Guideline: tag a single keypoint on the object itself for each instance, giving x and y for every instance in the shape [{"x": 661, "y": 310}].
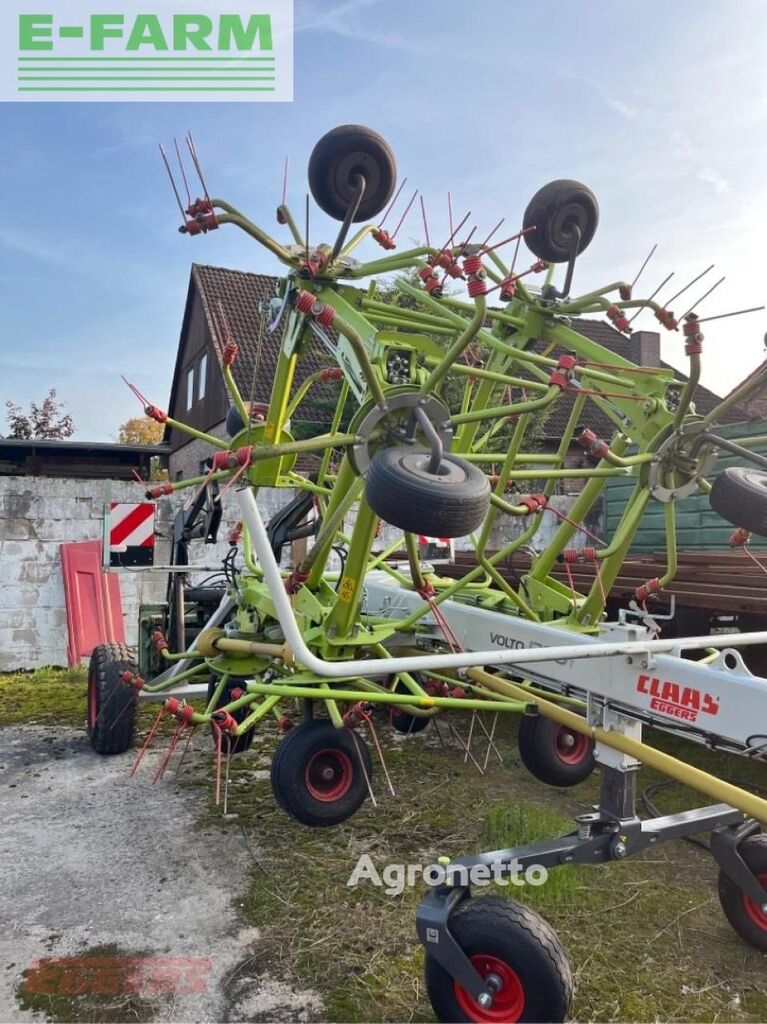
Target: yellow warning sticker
[{"x": 346, "y": 590}]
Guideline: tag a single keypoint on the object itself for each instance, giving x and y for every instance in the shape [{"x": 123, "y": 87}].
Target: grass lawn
[{"x": 646, "y": 936}]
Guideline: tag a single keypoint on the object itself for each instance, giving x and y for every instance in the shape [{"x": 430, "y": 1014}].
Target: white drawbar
[{"x": 464, "y": 659}]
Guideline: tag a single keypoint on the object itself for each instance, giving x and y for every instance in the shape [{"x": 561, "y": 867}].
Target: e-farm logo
[{"x": 156, "y": 50}]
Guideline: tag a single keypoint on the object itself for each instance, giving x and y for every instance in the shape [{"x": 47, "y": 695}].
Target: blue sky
[{"x": 661, "y": 108}]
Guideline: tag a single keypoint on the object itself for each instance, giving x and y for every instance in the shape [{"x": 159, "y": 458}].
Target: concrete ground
[{"x": 116, "y": 873}]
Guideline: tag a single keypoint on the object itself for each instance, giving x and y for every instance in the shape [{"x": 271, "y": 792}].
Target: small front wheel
[
  {"x": 555, "y": 211},
  {"x": 403, "y": 491},
  {"x": 336, "y": 161},
  {"x": 553, "y": 753},
  {"x": 320, "y": 773},
  {"x": 748, "y": 918},
  {"x": 112, "y": 704},
  {"x": 519, "y": 955}
]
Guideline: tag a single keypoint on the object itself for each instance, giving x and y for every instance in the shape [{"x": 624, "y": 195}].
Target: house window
[
  {"x": 202, "y": 374},
  {"x": 190, "y": 387}
]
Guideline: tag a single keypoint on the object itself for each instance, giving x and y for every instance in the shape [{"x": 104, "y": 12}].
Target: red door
[{"x": 94, "y": 608}]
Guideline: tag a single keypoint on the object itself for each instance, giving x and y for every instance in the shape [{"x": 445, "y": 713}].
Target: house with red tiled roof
[{"x": 223, "y": 302}]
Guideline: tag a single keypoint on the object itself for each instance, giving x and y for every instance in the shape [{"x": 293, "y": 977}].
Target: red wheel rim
[
  {"x": 571, "y": 747},
  {"x": 754, "y": 911},
  {"x": 329, "y": 775},
  {"x": 508, "y": 1001}
]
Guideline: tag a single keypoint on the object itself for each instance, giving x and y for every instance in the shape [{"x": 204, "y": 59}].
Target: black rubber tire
[
  {"x": 338, "y": 157},
  {"x": 491, "y": 926},
  {"x": 543, "y": 748},
  {"x": 231, "y": 744},
  {"x": 112, "y": 705},
  {"x": 748, "y": 921},
  {"x": 401, "y": 721},
  {"x": 402, "y": 491},
  {"x": 305, "y": 749},
  {"x": 739, "y": 495},
  {"x": 552, "y": 211}
]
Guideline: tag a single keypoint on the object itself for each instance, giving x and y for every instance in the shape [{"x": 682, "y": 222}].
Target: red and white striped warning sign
[{"x": 131, "y": 532}]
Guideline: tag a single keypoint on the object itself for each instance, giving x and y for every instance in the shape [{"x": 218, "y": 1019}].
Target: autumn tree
[
  {"x": 46, "y": 421},
  {"x": 140, "y": 430},
  {"x": 145, "y": 431}
]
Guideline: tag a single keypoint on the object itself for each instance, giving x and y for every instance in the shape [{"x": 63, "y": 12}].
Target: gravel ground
[{"x": 96, "y": 864}]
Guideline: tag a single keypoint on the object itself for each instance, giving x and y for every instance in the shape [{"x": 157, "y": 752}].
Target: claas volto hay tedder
[{"x": 333, "y": 645}]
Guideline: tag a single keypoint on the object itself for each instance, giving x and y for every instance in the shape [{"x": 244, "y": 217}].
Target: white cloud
[
  {"x": 630, "y": 113},
  {"x": 712, "y": 177}
]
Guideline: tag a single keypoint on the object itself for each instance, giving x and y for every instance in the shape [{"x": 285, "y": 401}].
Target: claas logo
[{"x": 676, "y": 700}]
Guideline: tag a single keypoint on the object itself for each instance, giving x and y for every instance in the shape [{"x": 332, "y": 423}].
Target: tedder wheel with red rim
[
  {"x": 112, "y": 704},
  {"x": 519, "y": 955},
  {"x": 747, "y": 918},
  {"x": 553, "y": 753},
  {"x": 320, "y": 773}
]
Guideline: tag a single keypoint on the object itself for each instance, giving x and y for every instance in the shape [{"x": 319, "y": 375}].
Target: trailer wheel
[
  {"x": 338, "y": 158},
  {"x": 522, "y": 951},
  {"x": 553, "y": 211},
  {"x": 319, "y": 773},
  {"x": 553, "y": 753},
  {"x": 231, "y": 744},
  {"x": 449, "y": 503},
  {"x": 739, "y": 495},
  {"x": 112, "y": 704},
  {"x": 747, "y": 918},
  {"x": 402, "y": 721}
]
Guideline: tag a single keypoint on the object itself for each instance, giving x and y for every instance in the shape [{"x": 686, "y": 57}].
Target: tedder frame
[{"x": 445, "y": 391}]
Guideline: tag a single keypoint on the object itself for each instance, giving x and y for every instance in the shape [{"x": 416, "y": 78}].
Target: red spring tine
[
  {"x": 517, "y": 235},
  {"x": 646, "y": 301},
  {"x": 667, "y": 305},
  {"x": 195, "y": 160},
  {"x": 148, "y": 740},
  {"x": 172, "y": 746},
  {"x": 484, "y": 244},
  {"x": 737, "y": 312},
  {"x": 402, "y": 218},
  {"x": 173, "y": 183},
  {"x": 183, "y": 172},
  {"x": 185, "y": 751},
  {"x": 647, "y": 260},
  {"x": 704, "y": 296},
  {"x": 455, "y": 232},
  {"x": 390, "y": 207},
  {"x": 425, "y": 224},
  {"x": 142, "y": 398}
]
